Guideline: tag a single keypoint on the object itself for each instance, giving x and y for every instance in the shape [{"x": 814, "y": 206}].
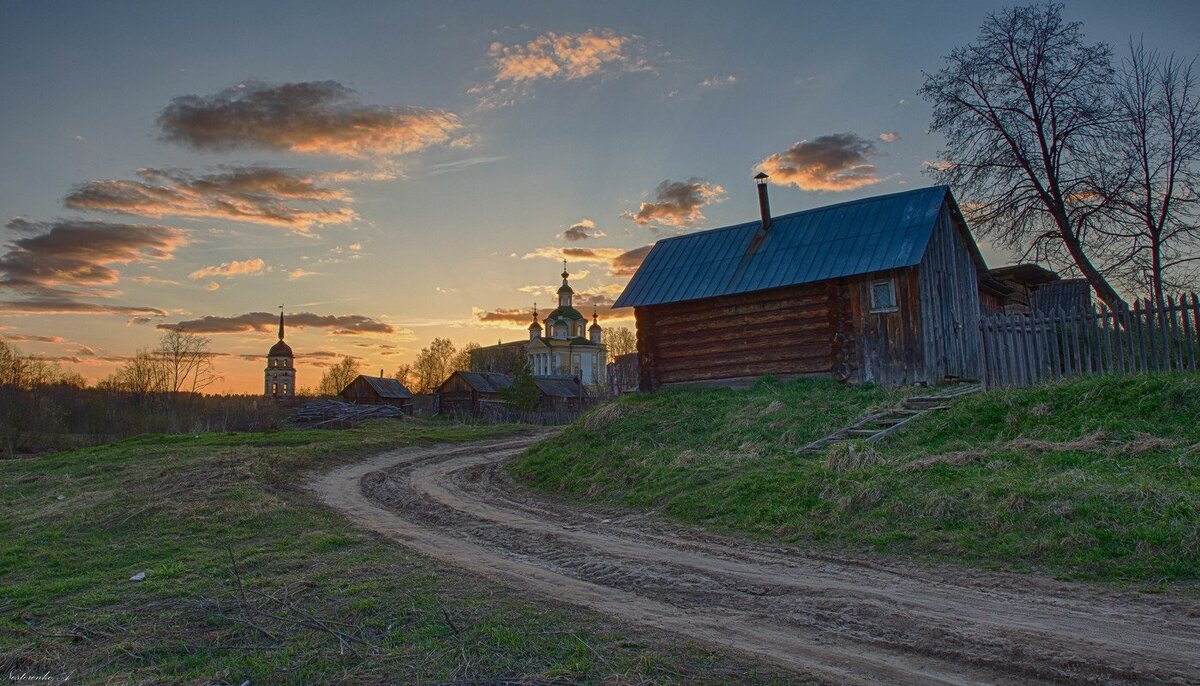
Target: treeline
[{"x": 44, "y": 407}]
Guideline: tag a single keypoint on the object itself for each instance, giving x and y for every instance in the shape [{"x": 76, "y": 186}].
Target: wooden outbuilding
[
  {"x": 884, "y": 289},
  {"x": 376, "y": 390},
  {"x": 464, "y": 393},
  {"x": 560, "y": 392}
]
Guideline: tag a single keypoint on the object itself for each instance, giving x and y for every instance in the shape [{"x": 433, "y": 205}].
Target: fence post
[{"x": 1187, "y": 333}]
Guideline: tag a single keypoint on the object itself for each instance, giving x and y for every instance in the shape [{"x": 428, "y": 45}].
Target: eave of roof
[{"x": 857, "y": 237}]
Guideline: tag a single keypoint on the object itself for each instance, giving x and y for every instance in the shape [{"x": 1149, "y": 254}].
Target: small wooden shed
[
  {"x": 560, "y": 392},
  {"x": 884, "y": 289},
  {"x": 376, "y": 390},
  {"x": 463, "y": 393}
]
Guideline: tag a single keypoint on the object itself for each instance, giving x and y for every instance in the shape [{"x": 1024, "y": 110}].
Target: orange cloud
[
  {"x": 255, "y": 195},
  {"x": 837, "y": 162},
  {"x": 315, "y": 117},
  {"x": 570, "y": 56},
  {"x": 677, "y": 204},
  {"x": 251, "y": 267}
]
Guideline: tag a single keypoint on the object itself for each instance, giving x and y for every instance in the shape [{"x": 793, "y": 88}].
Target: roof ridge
[{"x": 822, "y": 208}]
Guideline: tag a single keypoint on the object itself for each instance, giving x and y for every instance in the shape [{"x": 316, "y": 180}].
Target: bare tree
[
  {"x": 338, "y": 377},
  {"x": 1020, "y": 108},
  {"x": 187, "y": 362},
  {"x": 143, "y": 374},
  {"x": 1149, "y": 171},
  {"x": 620, "y": 340}
]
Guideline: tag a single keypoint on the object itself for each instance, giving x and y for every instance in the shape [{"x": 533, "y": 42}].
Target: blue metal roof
[{"x": 857, "y": 237}]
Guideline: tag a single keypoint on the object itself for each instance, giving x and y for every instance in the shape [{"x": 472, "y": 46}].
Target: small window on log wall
[{"x": 883, "y": 296}]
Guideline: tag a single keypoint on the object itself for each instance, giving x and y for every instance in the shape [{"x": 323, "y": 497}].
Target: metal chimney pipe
[{"x": 764, "y": 204}]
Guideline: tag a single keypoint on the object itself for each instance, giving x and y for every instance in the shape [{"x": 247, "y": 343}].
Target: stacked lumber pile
[{"x": 336, "y": 412}]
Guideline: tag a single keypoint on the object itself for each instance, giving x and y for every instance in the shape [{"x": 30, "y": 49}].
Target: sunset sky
[{"x": 395, "y": 172}]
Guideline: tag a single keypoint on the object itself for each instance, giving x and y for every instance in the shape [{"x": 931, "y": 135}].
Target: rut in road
[{"x": 844, "y": 619}]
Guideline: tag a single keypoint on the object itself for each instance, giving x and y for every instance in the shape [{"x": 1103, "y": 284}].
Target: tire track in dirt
[{"x": 846, "y": 620}]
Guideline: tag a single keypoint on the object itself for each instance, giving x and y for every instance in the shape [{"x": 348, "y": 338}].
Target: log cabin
[
  {"x": 880, "y": 290},
  {"x": 376, "y": 390}
]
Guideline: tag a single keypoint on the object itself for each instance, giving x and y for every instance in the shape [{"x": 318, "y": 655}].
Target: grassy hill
[
  {"x": 248, "y": 578},
  {"x": 1095, "y": 479}
]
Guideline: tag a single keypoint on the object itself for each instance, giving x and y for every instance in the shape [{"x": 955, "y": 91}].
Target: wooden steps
[{"x": 879, "y": 425}]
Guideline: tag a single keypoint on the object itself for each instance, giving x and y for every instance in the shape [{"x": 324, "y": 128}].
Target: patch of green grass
[
  {"x": 1094, "y": 479},
  {"x": 248, "y": 578}
]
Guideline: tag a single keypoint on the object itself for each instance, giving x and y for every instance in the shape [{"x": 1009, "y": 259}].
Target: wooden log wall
[{"x": 783, "y": 332}]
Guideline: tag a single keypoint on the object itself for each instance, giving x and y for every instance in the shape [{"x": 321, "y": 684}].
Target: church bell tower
[{"x": 280, "y": 375}]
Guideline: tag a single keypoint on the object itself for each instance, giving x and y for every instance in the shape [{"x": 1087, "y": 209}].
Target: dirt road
[{"x": 842, "y": 619}]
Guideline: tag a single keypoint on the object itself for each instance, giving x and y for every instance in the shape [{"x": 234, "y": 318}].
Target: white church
[{"x": 566, "y": 346}]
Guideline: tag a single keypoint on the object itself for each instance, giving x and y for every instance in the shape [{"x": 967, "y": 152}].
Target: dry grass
[
  {"x": 1092, "y": 442},
  {"x": 774, "y": 407},
  {"x": 851, "y": 456},
  {"x": 1098, "y": 441},
  {"x": 603, "y": 416},
  {"x": 954, "y": 459}
]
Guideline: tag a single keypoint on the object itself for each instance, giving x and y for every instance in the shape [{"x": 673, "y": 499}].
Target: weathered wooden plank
[
  {"x": 783, "y": 345},
  {"x": 1174, "y": 348},
  {"x": 738, "y": 370},
  {"x": 782, "y": 362},
  {"x": 1190, "y": 343},
  {"x": 690, "y": 336},
  {"x": 1195, "y": 311},
  {"x": 682, "y": 314},
  {"x": 985, "y": 341},
  {"x": 1088, "y": 335},
  {"x": 1109, "y": 365}
]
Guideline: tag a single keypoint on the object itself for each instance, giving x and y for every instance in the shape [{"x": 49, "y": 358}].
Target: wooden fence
[{"x": 1019, "y": 349}]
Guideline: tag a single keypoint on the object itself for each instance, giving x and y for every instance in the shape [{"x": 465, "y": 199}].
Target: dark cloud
[
  {"x": 837, "y": 162},
  {"x": 266, "y": 321},
  {"x": 582, "y": 230},
  {"x": 73, "y": 253},
  {"x": 319, "y": 117},
  {"x": 628, "y": 262},
  {"x": 620, "y": 262},
  {"x": 66, "y": 305},
  {"x": 257, "y": 195},
  {"x": 70, "y": 260},
  {"x": 677, "y": 204}
]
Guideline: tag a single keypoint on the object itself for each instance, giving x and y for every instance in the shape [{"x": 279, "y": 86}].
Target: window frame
[{"x": 876, "y": 308}]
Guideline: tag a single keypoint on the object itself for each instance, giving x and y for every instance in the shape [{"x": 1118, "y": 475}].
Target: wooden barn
[
  {"x": 884, "y": 289},
  {"x": 560, "y": 392},
  {"x": 464, "y": 393},
  {"x": 376, "y": 390}
]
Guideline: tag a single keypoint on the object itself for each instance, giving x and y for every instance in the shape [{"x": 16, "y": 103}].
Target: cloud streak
[
  {"x": 268, "y": 196},
  {"x": 314, "y": 117},
  {"x": 250, "y": 267},
  {"x": 620, "y": 262},
  {"x": 836, "y": 162},
  {"x": 349, "y": 324},
  {"x": 677, "y": 204}
]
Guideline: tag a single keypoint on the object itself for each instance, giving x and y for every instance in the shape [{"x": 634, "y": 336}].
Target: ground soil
[{"x": 843, "y": 619}]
